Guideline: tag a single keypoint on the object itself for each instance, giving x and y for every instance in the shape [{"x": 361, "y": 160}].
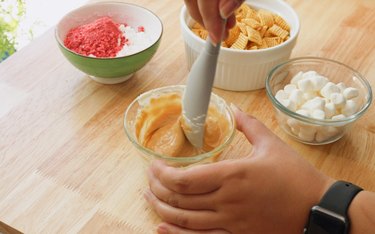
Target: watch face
[{"x": 323, "y": 223}]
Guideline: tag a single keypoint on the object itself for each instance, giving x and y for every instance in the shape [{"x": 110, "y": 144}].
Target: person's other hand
[
  {"x": 270, "y": 192},
  {"x": 210, "y": 14}
]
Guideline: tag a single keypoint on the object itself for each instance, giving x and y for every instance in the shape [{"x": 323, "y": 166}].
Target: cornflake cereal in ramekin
[{"x": 254, "y": 29}]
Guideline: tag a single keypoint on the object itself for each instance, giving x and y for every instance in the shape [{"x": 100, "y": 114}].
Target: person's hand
[
  {"x": 270, "y": 192},
  {"x": 210, "y": 14}
]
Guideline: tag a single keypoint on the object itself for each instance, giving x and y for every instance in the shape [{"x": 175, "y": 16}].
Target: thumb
[{"x": 255, "y": 131}]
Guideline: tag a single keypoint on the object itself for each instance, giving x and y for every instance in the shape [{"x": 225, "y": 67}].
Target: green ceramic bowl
[{"x": 111, "y": 70}]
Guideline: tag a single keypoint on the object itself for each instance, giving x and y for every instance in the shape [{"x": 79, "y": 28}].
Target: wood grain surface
[{"x": 66, "y": 165}]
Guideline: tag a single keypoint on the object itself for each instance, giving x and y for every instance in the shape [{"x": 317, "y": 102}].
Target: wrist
[
  {"x": 354, "y": 210},
  {"x": 361, "y": 213},
  {"x": 328, "y": 182},
  {"x": 317, "y": 191},
  {"x": 331, "y": 214}
]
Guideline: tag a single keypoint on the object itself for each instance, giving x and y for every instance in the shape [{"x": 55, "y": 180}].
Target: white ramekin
[{"x": 244, "y": 70}]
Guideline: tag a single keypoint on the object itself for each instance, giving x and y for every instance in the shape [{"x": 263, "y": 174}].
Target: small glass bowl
[
  {"x": 326, "y": 130},
  {"x": 136, "y": 106}
]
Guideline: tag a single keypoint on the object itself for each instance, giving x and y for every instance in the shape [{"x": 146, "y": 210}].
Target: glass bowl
[
  {"x": 135, "y": 108},
  {"x": 310, "y": 130}
]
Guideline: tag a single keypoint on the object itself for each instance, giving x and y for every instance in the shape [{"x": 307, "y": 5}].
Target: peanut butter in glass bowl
[{"x": 152, "y": 123}]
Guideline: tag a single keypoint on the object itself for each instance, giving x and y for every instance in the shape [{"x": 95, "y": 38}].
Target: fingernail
[
  {"x": 162, "y": 230},
  {"x": 228, "y": 7}
]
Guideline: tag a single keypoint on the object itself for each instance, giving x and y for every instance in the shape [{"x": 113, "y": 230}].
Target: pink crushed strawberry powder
[{"x": 101, "y": 38}]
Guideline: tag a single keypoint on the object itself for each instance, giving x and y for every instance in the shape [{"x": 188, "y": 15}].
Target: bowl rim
[
  {"x": 325, "y": 122},
  {"x": 292, "y": 39},
  {"x": 61, "y": 43},
  {"x": 185, "y": 159}
]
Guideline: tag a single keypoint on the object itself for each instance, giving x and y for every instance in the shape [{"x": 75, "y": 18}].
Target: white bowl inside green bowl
[{"x": 116, "y": 69}]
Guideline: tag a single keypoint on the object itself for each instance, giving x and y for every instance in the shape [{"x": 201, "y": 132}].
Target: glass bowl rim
[
  {"x": 186, "y": 159},
  {"x": 325, "y": 122}
]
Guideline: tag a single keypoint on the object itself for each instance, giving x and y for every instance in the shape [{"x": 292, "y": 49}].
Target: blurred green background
[
  {"x": 10, "y": 17},
  {"x": 21, "y": 21}
]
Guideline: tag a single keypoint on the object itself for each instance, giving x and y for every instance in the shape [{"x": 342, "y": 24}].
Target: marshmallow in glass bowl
[{"x": 316, "y": 99}]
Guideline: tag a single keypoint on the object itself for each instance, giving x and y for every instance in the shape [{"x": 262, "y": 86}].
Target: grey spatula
[{"x": 197, "y": 94}]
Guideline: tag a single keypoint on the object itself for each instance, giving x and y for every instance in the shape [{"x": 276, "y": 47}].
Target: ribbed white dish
[{"x": 244, "y": 70}]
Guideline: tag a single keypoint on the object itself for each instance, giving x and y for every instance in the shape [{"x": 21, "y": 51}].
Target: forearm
[{"x": 362, "y": 213}]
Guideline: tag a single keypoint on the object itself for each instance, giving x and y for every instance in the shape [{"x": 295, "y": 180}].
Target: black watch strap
[{"x": 339, "y": 196}]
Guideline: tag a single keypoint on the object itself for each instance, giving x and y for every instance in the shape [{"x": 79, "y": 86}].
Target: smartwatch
[{"x": 330, "y": 216}]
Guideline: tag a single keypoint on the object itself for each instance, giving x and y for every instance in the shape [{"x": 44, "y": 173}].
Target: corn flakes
[{"x": 254, "y": 29}]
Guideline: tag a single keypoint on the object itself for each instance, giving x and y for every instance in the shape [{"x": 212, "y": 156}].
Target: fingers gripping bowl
[
  {"x": 317, "y": 100},
  {"x": 243, "y": 70},
  {"x": 116, "y": 69},
  {"x": 147, "y": 125}
]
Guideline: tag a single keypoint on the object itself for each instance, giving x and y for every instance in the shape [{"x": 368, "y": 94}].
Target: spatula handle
[{"x": 198, "y": 91}]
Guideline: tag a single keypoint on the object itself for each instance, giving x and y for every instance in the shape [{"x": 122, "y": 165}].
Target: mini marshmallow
[
  {"x": 295, "y": 131},
  {"x": 293, "y": 123},
  {"x": 328, "y": 89},
  {"x": 338, "y": 100},
  {"x": 318, "y": 82},
  {"x": 296, "y": 96},
  {"x": 350, "y": 93},
  {"x": 316, "y": 103},
  {"x": 309, "y": 95},
  {"x": 306, "y": 85},
  {"x": 324, "y": 134},
  {"x": 289, "y": 88},
  {"x": 338, "y": 117},
  {"x": 318, "y": 114},
  {"x": 296, "y": 78},
  {"x": 358, "y": 100},
  {"x": 303, "y": 112},
  {"x": 341, "y": 86},
  {"x": 329, "y": 110},
  {"x": 289, "y": 104},
  {"x": 309, "y": 74},
  {"x": 281, "y": 95},
  {"x": 350, "y": 108},
  {"x": 306, "y": 136},
  {"x": 285, "y": 126},
  {"x": 307, "y": 133}
]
